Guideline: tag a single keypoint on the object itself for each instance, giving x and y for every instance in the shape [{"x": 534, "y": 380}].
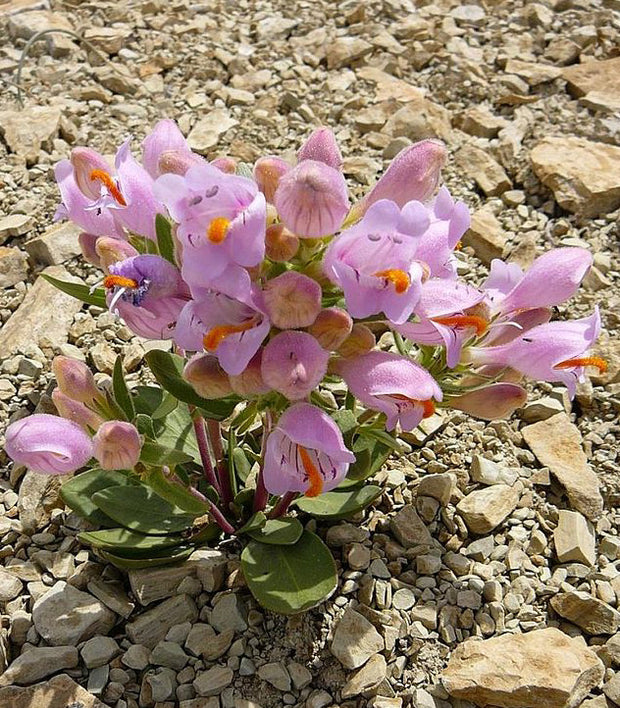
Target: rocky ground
[{"x": 505, "y": 533}]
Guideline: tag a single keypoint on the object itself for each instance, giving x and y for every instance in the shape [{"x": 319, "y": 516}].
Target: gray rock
[
  {"x": 213, "y": 681},
  {"x": 199, "y": 638},
  {"x": 170, "y": 655},
  {"x": 488, "y": 472},
  {"x": 276, "y": 674},
  {"x": 152, "y": 626},
  {"x": 37, "y": 663},
  {"x": 136, "y": 657},
  {"x": 355, "y": 640},
  {"x": 14, "y": 225},
  {"x": 299, "y": 674},
  {"x": 230, "y": 613},
  {"x": 10, "y": 586},
  {"x": 13, "y": 266},
  {"x": 99, "y": 651},
  {"x": 57, "y": 245},
  {"x": 409, "y": 529},
  {"x": 438, "y": 486},
  {"x": 57, "y": 692}
]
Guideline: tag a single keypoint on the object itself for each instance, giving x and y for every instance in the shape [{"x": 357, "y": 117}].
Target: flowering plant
[{"x": 307, "y": 335}]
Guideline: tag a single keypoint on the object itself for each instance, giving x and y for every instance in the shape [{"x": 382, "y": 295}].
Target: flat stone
[
  {"x": 485, "y": 236},
  {"x": 170, "y": 655},
  {"x": 544, "y": 668},
  {"x": 541, "y": 409},
  {"x": 409, "y": 529},
  {"x": 366, "y": 678},
  {"x": 218, "y": 645},
  {"x": 10, "y": 586},
  {"x": 482, "y": 123},
  {"x": 275, "y": 674},
  {"x": 485, "y": 509},
  {"x": 388, "y": 87},
  {"x": 57, "y": 692},
  {"x": 213, "y": 681},
  {"x": 206, "y": 133},
  {"x": 26, "y": 132},
  {"x": 13, "y": 266},
  {"x": 199, "y": 638},
  {"x": 153, "y": 625},
  {"x": 136, "y": 657},
  {"x": 574, "y": 538},
  {"x": 99, "y": 651},
  {"x": 14, "y": 225},
  {"x": 343, "y": 51},
  {"x": 112, "y": 596},
  {"x": 486, "y": 471},
  {"x": 355, "y": 640},
  {"x": 26, "y": 25},
  {"x": 66, "y": 615},
  {"x": 583, "y": 175},
  {"x": 557, "y": 444},
  {"x": 45, "y": 312},
  {"x": 438, "y": 486},
  {"x": 589, "y": 613},
  {"x": 534, "y": 73},
  {"x": 420, "y": 119},
  {"x": 596, "y": 83},
  {"x": 489, "y": 175},
  {"x": 300, "y": 675},
  {"x": 229, "y": 613},
  {"x": 57, "y": 245},
  {"x": 35, "y": 664}
]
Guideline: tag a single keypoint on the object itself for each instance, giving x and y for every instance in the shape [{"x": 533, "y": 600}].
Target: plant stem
[
  {"x": 261, "y": 495},
  {"x": 203, "y": 447},
  {"x": 215, "y": 438},
  {"x": 220, "y": 520},
  {"x": 282, "y": 506}
]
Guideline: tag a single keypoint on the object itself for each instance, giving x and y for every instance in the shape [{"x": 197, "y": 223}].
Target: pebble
[{"x": 355, "y": 640}]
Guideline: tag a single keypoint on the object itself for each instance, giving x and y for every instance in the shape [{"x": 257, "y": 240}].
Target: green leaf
[
  {"x": 81, "y": 291},
  {"x": 77, "y": 492},
  {"x": 128, "y": 542},
  {"x": 242, "y": 464},
  {"x": 144, "y": 424},
  {"x": 142, "y": 244},
  {"x": 167, "y": 369},
  {"x": 254, "y": 523},
  {"x": 142, "y": 509},
  {"x": 290, "y": 579},
  {"x": 370, "y": 455},
  {"x": 382, "y": 437},
  {"x": 121, "y": 392},
  {"x": 278, "y": 532},
  {"x": 176, "y": 431},
  {"x": 157, "y": 455},
  {"x": 175, "y": 493},
  {"x": 153, "y": 401},
  {"x": 165, "y": 241},
  {"x": 339, "y": 504},
  {"x": 175, "y": 554}
]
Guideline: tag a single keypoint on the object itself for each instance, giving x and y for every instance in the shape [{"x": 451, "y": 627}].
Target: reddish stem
[
  {"x": 203, "y": 447},
  {"x": 282, "y": 506},
  {"x": 223, "y": 473},
  {"x": 261, "y": 495}
]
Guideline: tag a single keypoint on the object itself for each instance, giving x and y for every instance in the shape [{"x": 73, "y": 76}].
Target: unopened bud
[
  {"x": 292, "y": 300},
  {"x": 331, "y": 327},
  {"x": 280, "y": 244},
  {"x": 227, "y": 165},
  {"x": 498, "y": 400},
  {"x": 321, "y": 146},
  {"x": 76, "y": 380},
  {"x": 177, "y": 162},
  {"x": 88, "y": 246},
  {"x": 250, "y": 381},
  {"x": 360, "y": 341},
  {"x": 75, "y": 411},
  {"x": 85, "y": 161},
  {"x": 267, "y": 174},
  {"x": 112, "y": 250},
  {"x": 207, "y": 377},
  {"x": 117, "y": 445}
]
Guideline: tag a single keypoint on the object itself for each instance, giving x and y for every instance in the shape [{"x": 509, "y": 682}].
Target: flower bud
[
  {"x": 207, "y": 377},
  {"x": 293, "y": 364},
  {"x": 498, "y": 400},
  {"x": 360, "y": 341},
  {"x": 312, "y": 199},
  {"x": 112, "y": 250},
  {"x": 177, "y": 162},
  {"x": 75, "y": 411},
  {"x": 85, "y": 161},
  {"x": 331, "y": 327},
  {"x": 280, "y": 244},
  {"x": 228, "y": 165},
  {"x": 292, "y": 300},
  {"x": 88, "y": 247},
  {"x": 76, "y": 380},
  {"x": 117, "y": 445},
  {"x": 48, "y": 444},
  {"x": 250, "y": 381},
  {"x": 321, "y": 146},
  {"x": 267, "y": 173}
]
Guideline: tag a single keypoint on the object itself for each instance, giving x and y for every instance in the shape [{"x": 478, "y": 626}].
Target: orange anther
[
  {"x": 429, "y": 408},
  {"x": 428, "y": 405},
  {"x": 119, "y": 281},
  {"x": 218, "y": 229},
  {"x": 315, "y": 478},
  {"x": 399, "y": 278},
  {"x": 464, "y": 321},
  {"x": 107, "y": 181},
  {"x": 597, "y": 361},
  {"x": 214, "y": 337}
]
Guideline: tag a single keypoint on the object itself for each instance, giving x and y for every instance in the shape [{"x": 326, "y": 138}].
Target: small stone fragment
[
  {"x": 213, "y": 681},
  {"x": 366, "y": 678},
  {"x": 574, "y": 538},
  {"x": 409, "y": 529},
  {"x": 355, "y": 640},
  {"x": 152, "y": 626},
  {"x": 484, "y": 509},
  {"x": 205, "y": 135},
  {"x": 438, "y": 486},
  {"x": 590, "y": 614},
  {"x": 57, "y": 692},
  {"x": 486, "y": 471},
  {"x": 99, "y": 651},
  {"x": 478, "y": 165},
  {"x": 485, "y": 236},
  {"x": 37, "y": 663},
  {"x": 275, "y": 674}
]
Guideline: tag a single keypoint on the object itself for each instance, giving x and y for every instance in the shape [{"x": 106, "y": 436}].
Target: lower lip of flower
[
  {"x": 428, "y": 405},
  {"x": 315, "y": 479},
  {"x": 107, "y": 181},
  {"x": 214, "y": 337},
  {"x": 597, "y": 361},
  {"x": 119, "y": 281},
  {"x": 397, "y": 277},
  {"x": 464, "y": 322},
  {"x": 218, "y": 229}
]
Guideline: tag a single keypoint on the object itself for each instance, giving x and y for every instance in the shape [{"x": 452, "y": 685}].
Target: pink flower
[
  {"x": 165, "y": 147},
  {"x": 492, "y": 402},
  {"x": 117, "y": 445},
  {"x": 267, "y": 172},
  {"x": 48, "y": 444},
  {"x": 76, "y": 380},
  {"x": 292, "y": 300},
  {"x": 322, "y": 147},
  {"x": 305, "y": 453}
]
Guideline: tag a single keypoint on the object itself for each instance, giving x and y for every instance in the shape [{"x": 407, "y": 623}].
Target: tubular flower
[
  {"x": 312, "y": 199},
  {"x": 164, "y": 147},
  {"x": 492, "y": 402},
  {"x": 305, "y": 453},
  {"x": 117, "y": 445},
  {"x": 221, "y": 221},
  {"x": 322, "y": 147},
  {"x": 392, "y": 384},
  {"x": 207, "y": 377},
  {"x": 331, "y": 327},
  {"x": 280, "y": 244},
  {"x": 267, "y": 172},
  {"x": 76, "y": 380},
  {"x": 48, "y": 444},
  {"x": 250, "y": 381},
  {"x": 74, "y": 410},
  {"x": 292, "y": 300},
  {"x": 374, "y": 263},
  {"x": 555, "y": 351},
  {"x": 294, "y": 364},
  {"x": 113, "y": 250}
]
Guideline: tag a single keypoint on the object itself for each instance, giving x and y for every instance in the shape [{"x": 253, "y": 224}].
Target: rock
[
  {"x": 468, "y": 14},
  {"x": 485, "y": 236},
  {"x": 66, "y": 615},
  {"x": 583, "y": 175},
  {"x": 57, "y": 245},
  {"x": 409, "y": 529},
  {"x": 596, "y": 83},
  {"x": 344, "y": 533},
  {"x": 112, "y": 596},
  {"x": 99, "y": 651},
  {"x": 107, "y": 39},
  {"x": 136, "y": 657},
  {"x": 437, "y": 486},
  {"x": 355, "y": 640},
  {"x": 486, "y": 471},
  {"x": 206, "y": 133},
  {"x": 14, "y": 225},
  {"x": 170, "y": 655},
  {"x": 480, "y": 122},
  {"x": 533, "y": 72},
  {"x": 343, "y": 51},
  {"x": 10, "y": 586},
  {"x": 35, "y": 664},
  {"x": 419, "y": 119},
  {"x": 612, "y": 689},
  {"x": 388, "y": 87},
  {"x": 590, "y": 614},
  {"x": 158, "y": 686},
  {"x": 299, "y": 674},
  {"x": 367, "y": 678},
  {"x": 230, "y": 613},
  {"x": 58, "y": 692},
  {"x": 484, "y": 509},
  {"x": 39, "y": 495},
  {"x": 574, "y": 538},
  {"x": 478, "y": 165},
  {"x": 274, "y": 26},
  {"x": 103, "y": 357},
  {"x": 117, "y": 79},
  {"x": 544, "y": 668},
  {"x": 45, "y": 312},
  {"x": 541, "y": 409},
  {"x": 213, "y": 681},
  {"x": 27, "y": 132},
  {"x": 218, "y": 645},
  {"x": 152, "y": 626},
  {"x": 13, "y": 266},
  {"x": 275, "y": 674},
  {"x": 556, "y": 442},
  {"x": 199, "y": 638},
  {"x": 26, "y": 25}
]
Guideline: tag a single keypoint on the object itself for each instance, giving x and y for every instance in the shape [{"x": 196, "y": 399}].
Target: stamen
[
  {"x": 428, "y": 405},
  {"x": 105, "y": 179},
  {"x": 314, "y": 476},
  {"x": 597, "y": 361},
  {"x": 218, "y": 229},
  {"x": 119, "y": 281},
  {"x": 465, "y": 321},
  {"x": 429, "y": 408},
  {"x": 214, "y": 337},
  {"x": 399, "y": 278}
]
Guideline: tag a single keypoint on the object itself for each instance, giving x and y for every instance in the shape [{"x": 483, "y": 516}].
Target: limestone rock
[
  {"x": 275, "y": 674},
  {"x": 596, "y": 83},
  {"x": 478, "y": 165},
  {"x": 533, "y": 72},
  {"x": 345, "y": 50},
  {"x": 205, "y": 135},
  {"x": 355, "y": 640},
  {"x": 544, "y": 668},
  {"x": 213, "y": 681},
  {"x": 409, "y": 529},
  {"x": 27, "y": 132},
  {"x": 66, "y": 615},
  {"x": 56, "y": 246},
  {"x": 26, "y": 25},
  {"x": 59, "y": 692},
  {"x": 574, "y": 538},
  {"x": 484, "y": 509},
  {"x": 420, "y": 119},
  {"x": 589, "y": 613},
  {"x": 367, "y": 678},
  {"x": 388, "y": 87},
  {"x": 486, "y": 471},
  {"x": 485, "y": 236},
  {"x": 438, "y": 486},
  {"x": 10, "y": 586},
  {"x": 99, "y": 651},
  {"x": 153, "y": 625},
  {"x": 13, "y": 266},
  {"x": 39, "y": 662},
  {"x": 230, "y": 613},
  {"x": 556, "y": 442},
  {"x": 583, "y": 175},
  {"x": 479, "y": 121},
  {"x": 14, "y": 225}
]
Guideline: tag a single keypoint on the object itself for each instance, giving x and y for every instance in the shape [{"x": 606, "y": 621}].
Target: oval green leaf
[
  {"x": 339, "y": 504},
  {"x": 77, "y": 492},
  {"x": 168, "y": 556},
  {"x": 278, "y": 532},
  {"x": 128, "y": 542},
  {"x": 175, "y": 492},
  {"x": 290, "y": 579}
]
